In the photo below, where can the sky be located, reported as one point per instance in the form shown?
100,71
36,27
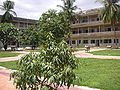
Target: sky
33,9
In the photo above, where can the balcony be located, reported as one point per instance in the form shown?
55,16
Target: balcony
96,35
87,23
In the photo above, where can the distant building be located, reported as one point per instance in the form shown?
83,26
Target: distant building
89,30
23,23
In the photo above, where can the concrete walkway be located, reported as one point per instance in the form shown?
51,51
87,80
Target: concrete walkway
83,54
79,54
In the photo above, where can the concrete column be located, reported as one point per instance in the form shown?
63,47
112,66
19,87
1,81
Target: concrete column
88,30
18,24
99,28
88,19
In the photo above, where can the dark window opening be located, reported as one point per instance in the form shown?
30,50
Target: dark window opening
73,42
98,19
74,32
85,41
92,41
107,41
116,40
109,29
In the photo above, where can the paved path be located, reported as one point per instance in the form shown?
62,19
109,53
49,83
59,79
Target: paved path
13,58
83,54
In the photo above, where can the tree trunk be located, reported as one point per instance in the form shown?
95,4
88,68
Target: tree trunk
5,47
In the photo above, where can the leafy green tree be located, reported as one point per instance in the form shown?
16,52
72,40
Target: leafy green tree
110,13
8,33
8,7
56,23
50,69
30,36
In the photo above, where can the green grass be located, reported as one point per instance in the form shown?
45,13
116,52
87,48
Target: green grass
99,73
38,50
8,54
95,73
9,64
107,52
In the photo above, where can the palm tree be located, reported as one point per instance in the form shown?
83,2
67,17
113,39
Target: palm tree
110,13
68,7
8,7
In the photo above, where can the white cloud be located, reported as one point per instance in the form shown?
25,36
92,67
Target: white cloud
34,8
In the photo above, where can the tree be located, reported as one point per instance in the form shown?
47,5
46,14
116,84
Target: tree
68,7
8,33
30,36
56,23
53,66
110,13
8,7
50,69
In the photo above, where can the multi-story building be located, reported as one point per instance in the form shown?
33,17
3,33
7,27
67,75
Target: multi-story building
22,22
89,30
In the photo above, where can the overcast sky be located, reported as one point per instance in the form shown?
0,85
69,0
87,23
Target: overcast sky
33,9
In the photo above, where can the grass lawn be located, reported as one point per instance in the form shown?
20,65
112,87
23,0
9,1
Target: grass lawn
107,52
8,54
9,64
99,73
95,73
37,50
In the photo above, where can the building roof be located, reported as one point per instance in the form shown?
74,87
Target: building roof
90,11
23,19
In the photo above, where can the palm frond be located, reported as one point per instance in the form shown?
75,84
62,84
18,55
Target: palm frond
13,12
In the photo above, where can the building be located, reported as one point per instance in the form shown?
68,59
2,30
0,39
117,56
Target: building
23,23
91,31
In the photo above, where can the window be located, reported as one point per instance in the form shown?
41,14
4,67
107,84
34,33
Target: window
92,41
80,31
97,29
21,24
107,41
74,32
108,29
85,19
73,42
92,30
98,19
85,41
117,29
101,41
85,31
116,40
